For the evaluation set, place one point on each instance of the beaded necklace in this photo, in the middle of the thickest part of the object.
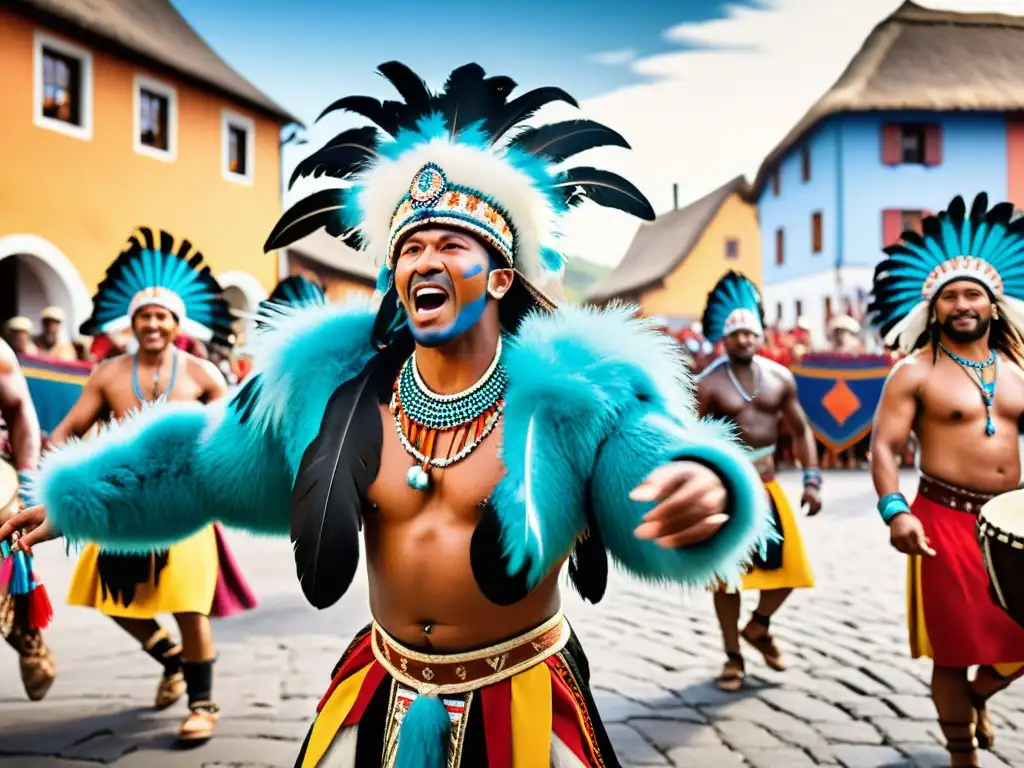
(988, 389)
(420, 415)
(156, 380)
(736, 382)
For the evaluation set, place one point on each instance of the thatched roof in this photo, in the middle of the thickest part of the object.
(323, 249)
(153, 30)
(923, 59)
(662, 245)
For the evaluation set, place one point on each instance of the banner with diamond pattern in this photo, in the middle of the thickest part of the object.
(839, 394)
(54, 386)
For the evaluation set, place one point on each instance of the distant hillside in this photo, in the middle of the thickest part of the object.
(580, 275)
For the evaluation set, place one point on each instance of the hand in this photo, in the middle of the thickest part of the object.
(691, 509)
(907, 534)
(34, 521)
(811, 499)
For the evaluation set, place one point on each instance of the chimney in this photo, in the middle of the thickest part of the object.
(675, 197)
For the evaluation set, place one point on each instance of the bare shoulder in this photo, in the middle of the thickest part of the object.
(1015, 370)
(8, 360)
(712, 375)
(912, 371)
(111, 368)
(777, 371)
(201, 370)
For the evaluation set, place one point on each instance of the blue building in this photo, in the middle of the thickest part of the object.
(924, 111)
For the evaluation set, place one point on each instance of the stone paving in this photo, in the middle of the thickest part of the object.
(851, 697)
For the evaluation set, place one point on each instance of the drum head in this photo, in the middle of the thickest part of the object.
(1006, 512)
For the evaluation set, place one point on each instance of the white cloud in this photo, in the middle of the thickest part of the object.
(613, 58)
(717, 113)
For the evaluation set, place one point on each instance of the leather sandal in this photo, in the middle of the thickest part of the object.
(765, 645)
(733, 673)
(170, 689)
(983, 730)
(961, 743)
(198, 726)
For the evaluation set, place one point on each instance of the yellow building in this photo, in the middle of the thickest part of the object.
(674, 261)
(116, 114)
(341, 270)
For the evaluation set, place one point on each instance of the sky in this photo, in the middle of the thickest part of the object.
(701, 89)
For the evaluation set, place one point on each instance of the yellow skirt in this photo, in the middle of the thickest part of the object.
(187, 582)
(795, 572)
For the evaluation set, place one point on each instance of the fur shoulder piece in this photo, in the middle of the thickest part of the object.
(573, 375)
(301, 356)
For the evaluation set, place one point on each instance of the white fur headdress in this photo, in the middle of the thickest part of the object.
(987, 247)
(452, 160)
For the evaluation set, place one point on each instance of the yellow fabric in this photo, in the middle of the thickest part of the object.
(187, 582)
(920, 645)
(328, 721)
(1009, 669)
(531, 717)
(795, 572)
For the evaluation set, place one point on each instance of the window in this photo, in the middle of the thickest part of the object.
(912, 144)
(62, 87)
(896, 221)
(799, 310)
(776, 187)
(732, 249)
(780, 243)
(816, 232)
(238, 137)
(778, 313)
(911, 220)
(828, 308)
(805, 162)
(156, 119)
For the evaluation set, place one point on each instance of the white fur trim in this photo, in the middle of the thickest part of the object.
(383, 186)
(742, 320)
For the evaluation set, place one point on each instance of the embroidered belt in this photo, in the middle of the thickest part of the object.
(428, 673)
(951, 496)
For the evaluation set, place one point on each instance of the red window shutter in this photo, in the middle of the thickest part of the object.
(933, 144)
(892, 144)
(892, 226)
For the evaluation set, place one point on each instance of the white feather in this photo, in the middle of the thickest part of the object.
(532, 216)
(907, 330)
(532, 516)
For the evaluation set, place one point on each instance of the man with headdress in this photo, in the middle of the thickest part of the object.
(37, 666)
(156, 288)
(480, 438)
(755, 393)
(951, 300)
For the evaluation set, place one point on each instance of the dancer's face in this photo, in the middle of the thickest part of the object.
(155, 328)
(963, 310)
(741, 346)
(442, 277)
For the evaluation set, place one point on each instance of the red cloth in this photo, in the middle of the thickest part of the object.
(232, 594)
(965, 627)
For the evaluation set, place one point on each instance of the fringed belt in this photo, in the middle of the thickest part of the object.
(430, 674)
(951, 496)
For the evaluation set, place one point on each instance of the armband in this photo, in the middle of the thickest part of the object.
(812, 476)
(892, 504)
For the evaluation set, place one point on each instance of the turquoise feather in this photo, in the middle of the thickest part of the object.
(425, 735)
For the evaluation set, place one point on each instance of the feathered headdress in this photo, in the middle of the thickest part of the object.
(148, 273)
(458, 158)
(734, 304)
(986, 247)
(294, 291)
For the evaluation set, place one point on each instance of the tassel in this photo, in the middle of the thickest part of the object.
(40, 609)
(6, 572)
(425, 735)
(21, 578)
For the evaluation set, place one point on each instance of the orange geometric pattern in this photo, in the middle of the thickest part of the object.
(841, 402)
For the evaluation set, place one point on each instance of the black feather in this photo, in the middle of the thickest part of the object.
(334, 477)
(524, 107)
(588, 566)
(979, 208)
(345, 154)
(320, 209)
(604, 188)
(244, 403)
(409, 85)
(386, 115)
(291, 292)
(559, 141)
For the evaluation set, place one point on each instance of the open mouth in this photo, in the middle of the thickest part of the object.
(428, 299)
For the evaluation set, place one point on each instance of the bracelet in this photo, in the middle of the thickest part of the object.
(812, 476)
(892, 504)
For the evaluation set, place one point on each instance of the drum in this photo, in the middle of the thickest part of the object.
(1001, 535)
(8, 491)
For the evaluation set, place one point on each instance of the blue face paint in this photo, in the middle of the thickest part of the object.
(473, 271)
(466, 319)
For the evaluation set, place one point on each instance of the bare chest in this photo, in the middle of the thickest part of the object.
(122, 395)
(459, 489)
(953, 394)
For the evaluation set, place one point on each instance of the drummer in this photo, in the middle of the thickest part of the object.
(37, 664)
(961, 391)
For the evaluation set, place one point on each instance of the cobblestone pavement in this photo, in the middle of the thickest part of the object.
(852, 696)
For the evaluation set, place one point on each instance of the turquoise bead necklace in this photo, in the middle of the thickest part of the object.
(420, 415)
(988, 389)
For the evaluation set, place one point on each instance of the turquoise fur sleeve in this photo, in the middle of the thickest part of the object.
(163, 473)
(596, 400)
